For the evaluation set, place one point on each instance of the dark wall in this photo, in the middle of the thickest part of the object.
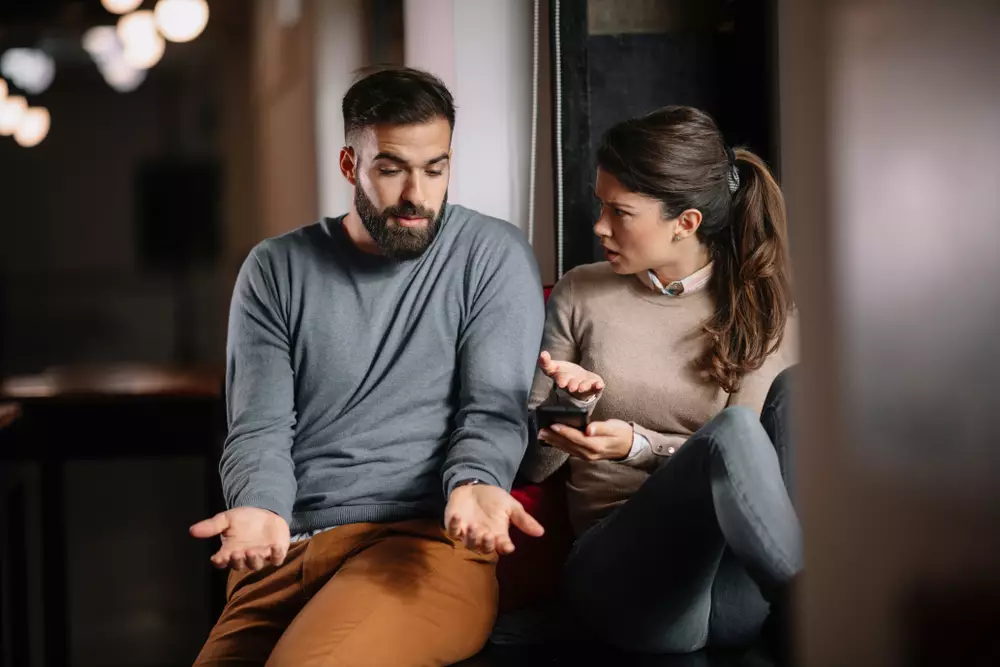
(626, 58)
(79, 282)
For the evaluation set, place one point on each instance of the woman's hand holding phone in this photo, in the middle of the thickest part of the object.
(609, 440)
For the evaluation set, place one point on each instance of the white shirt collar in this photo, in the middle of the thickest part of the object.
(693, 283)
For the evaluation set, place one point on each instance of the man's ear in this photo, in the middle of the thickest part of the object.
(348, 164)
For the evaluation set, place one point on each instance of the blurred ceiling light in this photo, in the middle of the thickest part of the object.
(11, 111)
(181, 20)
(143, 54)
(31, 70)
(136, 27)
(101, 42)
(120, 6)
(121, 76)
(123, 67)
(34, 127)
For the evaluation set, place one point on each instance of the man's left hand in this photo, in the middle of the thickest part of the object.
(608, 440)
(480, 516)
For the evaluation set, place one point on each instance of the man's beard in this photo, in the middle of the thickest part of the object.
(395, 241)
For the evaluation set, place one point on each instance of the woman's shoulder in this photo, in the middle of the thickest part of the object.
(589, 280)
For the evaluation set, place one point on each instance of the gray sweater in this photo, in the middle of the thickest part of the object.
(362, 389)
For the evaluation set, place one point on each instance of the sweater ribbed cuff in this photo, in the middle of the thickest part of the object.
(464, 473)
(264, 501)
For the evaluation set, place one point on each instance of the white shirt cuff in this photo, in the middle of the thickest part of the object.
(639, 445)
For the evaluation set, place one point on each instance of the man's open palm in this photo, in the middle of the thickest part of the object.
(480, 516)
(251, 538)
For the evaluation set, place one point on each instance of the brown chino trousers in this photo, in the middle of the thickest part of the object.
(386, 595)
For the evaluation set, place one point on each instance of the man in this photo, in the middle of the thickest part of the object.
(379, 366)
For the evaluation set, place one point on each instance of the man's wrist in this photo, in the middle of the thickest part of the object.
(468, 481)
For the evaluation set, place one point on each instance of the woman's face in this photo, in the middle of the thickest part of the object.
(635, 235)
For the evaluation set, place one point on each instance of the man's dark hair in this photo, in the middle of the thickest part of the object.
(396, 96)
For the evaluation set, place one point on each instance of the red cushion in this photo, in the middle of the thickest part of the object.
(534, 570)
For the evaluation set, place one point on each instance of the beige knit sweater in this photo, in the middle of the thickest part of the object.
(645, 345)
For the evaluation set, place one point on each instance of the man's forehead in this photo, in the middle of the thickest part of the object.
(418, 142)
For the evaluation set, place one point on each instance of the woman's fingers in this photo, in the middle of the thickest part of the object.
(562, 443)
(548, 366)
(569, 433)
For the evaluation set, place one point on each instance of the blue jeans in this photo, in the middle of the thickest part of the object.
(692, 557)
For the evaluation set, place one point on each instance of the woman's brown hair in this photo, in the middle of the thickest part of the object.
(677, 155)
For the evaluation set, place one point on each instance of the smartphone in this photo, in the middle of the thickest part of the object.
(569, 415)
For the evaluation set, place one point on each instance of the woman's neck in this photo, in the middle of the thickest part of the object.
(678, 270)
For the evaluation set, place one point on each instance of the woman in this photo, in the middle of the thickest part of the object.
(674, 342)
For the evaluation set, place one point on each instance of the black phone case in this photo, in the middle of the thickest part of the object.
(568, 415)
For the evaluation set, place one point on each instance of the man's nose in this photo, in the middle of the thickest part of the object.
(414, 191)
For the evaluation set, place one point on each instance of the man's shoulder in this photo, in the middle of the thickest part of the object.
(295, 243)
(475, 228)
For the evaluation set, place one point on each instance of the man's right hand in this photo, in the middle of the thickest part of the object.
(251, 538)
(579, 382)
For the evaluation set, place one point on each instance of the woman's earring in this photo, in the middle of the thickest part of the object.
(677, 237)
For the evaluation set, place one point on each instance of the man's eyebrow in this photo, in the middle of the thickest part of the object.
(392, 157)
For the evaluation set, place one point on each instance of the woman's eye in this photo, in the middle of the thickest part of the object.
(620, 213)
(435, 173)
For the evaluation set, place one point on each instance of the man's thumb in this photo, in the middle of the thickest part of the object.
(527, 523)
(210, 527)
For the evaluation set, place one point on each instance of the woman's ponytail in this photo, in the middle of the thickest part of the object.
(751, 278)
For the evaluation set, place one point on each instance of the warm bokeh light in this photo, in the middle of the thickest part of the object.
(120, 6)
(3, 90)
(11, 111)
(181, 20)
(103, 45)
(34, 127)
(101, 42)
(121, 76)
(137, 27)
(144, 53)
